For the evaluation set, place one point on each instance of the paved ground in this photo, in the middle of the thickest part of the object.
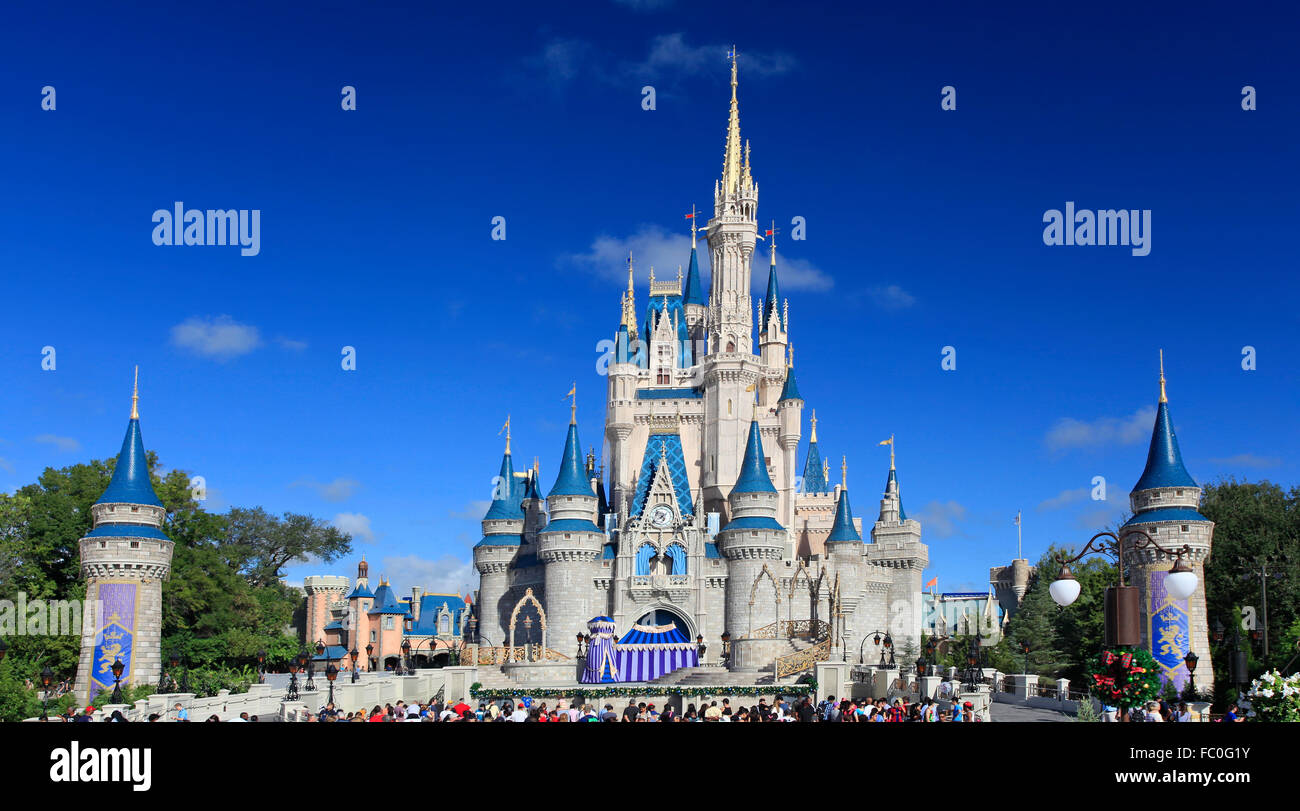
(1016, 714)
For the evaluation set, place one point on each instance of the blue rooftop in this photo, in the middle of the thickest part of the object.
(501, 540)
(430, 606)
(814, 476)
(753, 468)
(386, 601)
(1166, 514)
(127, 531)
(790, 391)
(843, 530)
(1164, 460)
(694, 289)
(572, 525)
(507, 493)
(669, 394)
(361, 590)
(130, 483)
(773, 298)
(752, 522)
(572, 479)
(902, 516)
(669, 448)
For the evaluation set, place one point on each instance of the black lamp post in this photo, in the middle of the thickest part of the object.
(261, 666)
(117, 668)
(331, 673)
(1190, 660)
(406, 656)
(292, 694)
(370, 657)
(353, 655)
(700, 646)
(306, 666)
(1024, 647)
(726, 648)
(582, 651)
(886, 652)
(47, 676)
(931, 653)
(920, 666)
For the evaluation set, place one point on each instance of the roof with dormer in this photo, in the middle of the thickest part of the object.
(668, 447)
(131, 483)
(430, 607)
(753, 468)
(843, 528)
(572, 479)
(671, 307)
(1164, 459)
(386, 601)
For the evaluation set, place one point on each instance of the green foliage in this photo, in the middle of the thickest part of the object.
(1253, 521)
(223, 603)
(1087, 713)
(1126, 686)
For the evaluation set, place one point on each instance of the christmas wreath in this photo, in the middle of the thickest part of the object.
(1125, 677)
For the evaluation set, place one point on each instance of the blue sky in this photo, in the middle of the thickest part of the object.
(924, 230)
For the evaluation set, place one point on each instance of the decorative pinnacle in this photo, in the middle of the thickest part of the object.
(694, 218)
(573, 407)
(135, 395)
(506, 428)
(1163, 397)
(844, 472)
(814, 426)
(789, 363)
(771, 244)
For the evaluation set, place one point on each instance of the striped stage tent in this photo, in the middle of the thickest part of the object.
(649, 651)
(600, 666)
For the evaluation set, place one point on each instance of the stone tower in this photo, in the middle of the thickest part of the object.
(503, 527)
(896, 548)
(323, 591)
(570, 544)
(752, 541)
(124, 559)
(1165, 503)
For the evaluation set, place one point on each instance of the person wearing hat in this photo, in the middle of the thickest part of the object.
(967, 711)
(87, 716)
(520, 714)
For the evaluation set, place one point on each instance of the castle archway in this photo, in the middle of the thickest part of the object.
(662, 614)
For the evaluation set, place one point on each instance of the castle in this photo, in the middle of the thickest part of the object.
(709, 523)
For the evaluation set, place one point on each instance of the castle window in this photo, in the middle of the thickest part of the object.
(372, 636)
(1180, 492)
(388, 622)
(135, 544)
(1155, 496)
(1186, 528)
(103, 544)
(444, 625)
(135, 509)
(1155, 530)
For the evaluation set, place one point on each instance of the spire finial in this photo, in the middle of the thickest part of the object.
(789, 363)
(814, 426)
(771, 233)
(826, 469)
(693, 218)
(506, 428)
(891, 451)
(135, 395)
(731, 161)
(844, 472)
(573, 407)
(1163, 397)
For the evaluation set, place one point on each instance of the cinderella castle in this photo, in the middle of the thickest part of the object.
(708, 521)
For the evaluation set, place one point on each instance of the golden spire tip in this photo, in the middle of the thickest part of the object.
(135, 395)
(1163, 397)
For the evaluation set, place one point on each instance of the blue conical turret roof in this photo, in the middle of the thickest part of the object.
(814, 478)
(572, 480)
(507, 493)
(773, 299)
(893, 478)
(790, 391)
(1164, 460)
(753, 469)
(843, 530)
(131, 483)
(694, 293)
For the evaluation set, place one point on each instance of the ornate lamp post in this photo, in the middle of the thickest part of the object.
(261, 666)
(1190, 660)
(1239, 661)
(305, 664)
(700, 646)
(1123, 618)
(1024, 648)
(888, 650)
(331, 673)
(370, 657)
(47, 676)
(353, 655)
(726, 648)
(582, 651)
(975, 663)
(292, 695)
(117, 668)
(406, 656)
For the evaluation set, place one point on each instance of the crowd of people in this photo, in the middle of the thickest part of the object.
(1161, 711)
(782, 710)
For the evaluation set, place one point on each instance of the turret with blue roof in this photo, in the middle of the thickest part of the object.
(503, 524)
(129, 507)
(571, 542)
(814, 476)
(843, 530)
(1165, 491)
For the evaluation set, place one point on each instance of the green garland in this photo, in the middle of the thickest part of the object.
(598, 693)
(1125, 677)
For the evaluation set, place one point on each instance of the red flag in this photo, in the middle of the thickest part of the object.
(933, 580)
(768, 232)
(690, 216)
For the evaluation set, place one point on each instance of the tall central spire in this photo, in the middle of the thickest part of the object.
(731, 161)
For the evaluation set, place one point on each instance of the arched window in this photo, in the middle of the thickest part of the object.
(677, 554)
(444, 624)
(643, 555)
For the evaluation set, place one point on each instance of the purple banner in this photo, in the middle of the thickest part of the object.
(115, 636)
(1168, 631)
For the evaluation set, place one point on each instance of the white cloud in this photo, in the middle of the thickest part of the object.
(473, 511)
(448, 574)
(334, 492)
(562, 59)
(218, 337)
(1248, 460)
(891, 297)
(1071, 433)
(291, 344)
(1064, 498)
(652, 246)
(940, 518)
(356, 525)
(671, 54)
(63, 443)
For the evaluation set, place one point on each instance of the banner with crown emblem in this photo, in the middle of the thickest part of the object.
(1168, 632)
(115, 637)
